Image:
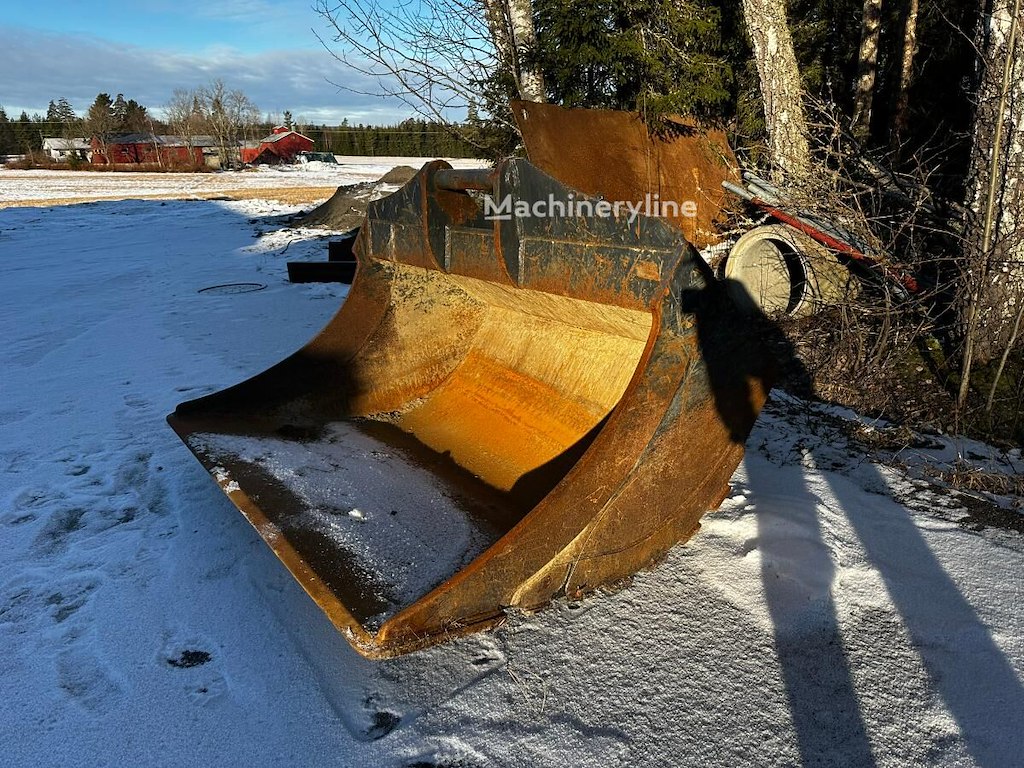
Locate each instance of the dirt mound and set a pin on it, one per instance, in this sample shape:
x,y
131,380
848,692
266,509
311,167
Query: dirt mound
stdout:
x,y
344,209
400,174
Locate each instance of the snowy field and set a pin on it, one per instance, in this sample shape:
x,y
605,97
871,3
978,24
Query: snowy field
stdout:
x,y
840,609
37,184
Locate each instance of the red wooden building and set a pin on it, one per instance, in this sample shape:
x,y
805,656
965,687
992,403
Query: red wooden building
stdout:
x,y
145,148
281,146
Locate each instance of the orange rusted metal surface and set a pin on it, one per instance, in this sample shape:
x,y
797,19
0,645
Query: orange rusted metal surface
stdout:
x,y
612,154
502,412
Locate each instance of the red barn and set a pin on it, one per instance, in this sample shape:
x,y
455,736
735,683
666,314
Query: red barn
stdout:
x,y
281,146
145,148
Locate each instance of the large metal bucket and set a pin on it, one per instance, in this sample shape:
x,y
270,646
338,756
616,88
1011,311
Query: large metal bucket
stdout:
x,y
503,411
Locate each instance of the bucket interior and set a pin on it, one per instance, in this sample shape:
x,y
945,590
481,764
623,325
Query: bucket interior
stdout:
x,y
392,455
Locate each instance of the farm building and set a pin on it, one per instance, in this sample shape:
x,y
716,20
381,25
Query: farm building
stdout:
x,y
145,148
212,150
281,146
64,149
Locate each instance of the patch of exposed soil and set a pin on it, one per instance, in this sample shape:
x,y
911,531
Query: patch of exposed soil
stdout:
x,y
400,174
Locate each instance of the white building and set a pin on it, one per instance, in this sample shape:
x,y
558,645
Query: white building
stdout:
x,y
63,149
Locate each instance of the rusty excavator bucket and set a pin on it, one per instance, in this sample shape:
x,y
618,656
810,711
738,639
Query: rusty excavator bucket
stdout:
x,y
516,402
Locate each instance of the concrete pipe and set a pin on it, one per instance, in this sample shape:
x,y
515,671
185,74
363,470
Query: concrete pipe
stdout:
x,y
778,270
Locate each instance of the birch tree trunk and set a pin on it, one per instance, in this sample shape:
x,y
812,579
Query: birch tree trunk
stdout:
x,y
901,110
867,67
781,89
513,34
995,231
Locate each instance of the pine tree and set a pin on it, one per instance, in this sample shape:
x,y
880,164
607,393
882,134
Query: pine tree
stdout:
x,y
655,56
60,111
27,135
61,119
135,119
119,111
8,141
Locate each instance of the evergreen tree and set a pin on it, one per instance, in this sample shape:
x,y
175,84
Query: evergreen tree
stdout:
x,y
8,140
27,133
119,111
423,140
99,113
655,56
412,138
135,119
61,120
61,112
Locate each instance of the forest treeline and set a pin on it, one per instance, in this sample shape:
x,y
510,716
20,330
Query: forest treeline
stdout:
x,y
411,138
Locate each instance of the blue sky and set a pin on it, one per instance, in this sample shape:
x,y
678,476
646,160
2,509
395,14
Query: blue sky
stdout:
x,y
147,48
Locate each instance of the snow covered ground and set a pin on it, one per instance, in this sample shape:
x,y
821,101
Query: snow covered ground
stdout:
x,y
837,610
66,185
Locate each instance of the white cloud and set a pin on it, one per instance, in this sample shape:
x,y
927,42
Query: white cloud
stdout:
x,y
51,66
263,19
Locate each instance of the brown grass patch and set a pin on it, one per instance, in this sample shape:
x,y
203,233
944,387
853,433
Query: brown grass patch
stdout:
x,y
292,195
288,195
963,476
